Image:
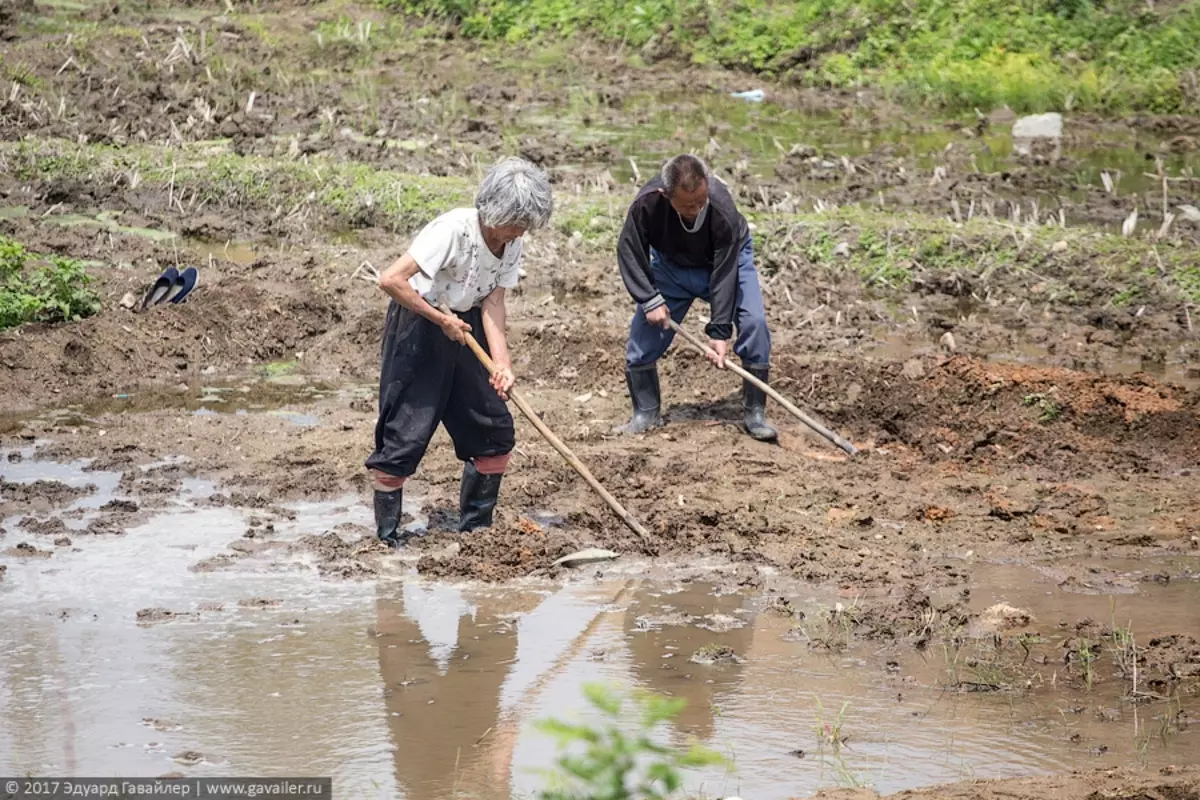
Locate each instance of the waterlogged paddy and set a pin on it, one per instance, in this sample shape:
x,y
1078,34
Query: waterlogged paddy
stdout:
x,y
650,127
401,687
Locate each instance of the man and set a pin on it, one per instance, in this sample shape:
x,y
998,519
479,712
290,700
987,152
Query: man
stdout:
x,y
684,239
465,260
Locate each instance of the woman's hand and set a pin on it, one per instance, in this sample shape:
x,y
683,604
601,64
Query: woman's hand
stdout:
x,y
503,380
454,328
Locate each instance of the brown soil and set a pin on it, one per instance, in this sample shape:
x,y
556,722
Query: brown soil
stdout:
x,y
1169,784
965,455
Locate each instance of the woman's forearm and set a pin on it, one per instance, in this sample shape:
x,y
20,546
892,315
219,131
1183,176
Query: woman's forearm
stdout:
x,y
394,282
495,320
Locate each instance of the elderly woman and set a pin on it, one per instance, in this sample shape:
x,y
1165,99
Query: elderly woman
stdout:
x,y
463,260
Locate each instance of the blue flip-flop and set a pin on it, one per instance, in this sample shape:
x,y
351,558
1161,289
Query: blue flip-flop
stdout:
x,y
158,292
184,283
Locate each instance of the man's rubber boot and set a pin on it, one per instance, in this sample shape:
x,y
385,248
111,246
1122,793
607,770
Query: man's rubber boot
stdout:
x,y
477,498
754,404
644,391
387,517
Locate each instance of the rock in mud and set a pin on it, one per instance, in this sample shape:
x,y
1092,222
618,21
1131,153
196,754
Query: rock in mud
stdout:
x,y
1038,126
120,505
152,615
3,569
63,541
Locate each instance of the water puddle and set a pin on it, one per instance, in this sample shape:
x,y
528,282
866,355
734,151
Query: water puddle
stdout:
x,y
428,690
241,253
1162,597
270,394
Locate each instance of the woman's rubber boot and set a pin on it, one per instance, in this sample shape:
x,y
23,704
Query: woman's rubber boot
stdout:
x,y
754,405
387,517
644,392
477,498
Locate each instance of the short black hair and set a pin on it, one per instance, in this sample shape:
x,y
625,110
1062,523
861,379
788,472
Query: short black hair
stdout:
x,y
685,172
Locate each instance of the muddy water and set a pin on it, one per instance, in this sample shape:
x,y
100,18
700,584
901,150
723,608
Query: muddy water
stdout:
x,y
234,394
401,687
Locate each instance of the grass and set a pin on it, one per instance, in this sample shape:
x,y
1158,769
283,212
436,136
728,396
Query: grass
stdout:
x,y
1032,55
889,255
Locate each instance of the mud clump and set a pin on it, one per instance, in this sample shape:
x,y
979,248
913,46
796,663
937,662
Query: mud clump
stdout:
x,y
42,495
348,560
259,602
26,550
215,564
505,551
44,527
1173,658
711,654
113,525
154,616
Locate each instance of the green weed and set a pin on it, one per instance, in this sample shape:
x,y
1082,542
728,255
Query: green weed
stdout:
x,y
58,290
608,761
1048,409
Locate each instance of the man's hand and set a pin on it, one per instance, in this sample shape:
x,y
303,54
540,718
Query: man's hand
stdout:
x,y
502,380
659,317
719,348
455,329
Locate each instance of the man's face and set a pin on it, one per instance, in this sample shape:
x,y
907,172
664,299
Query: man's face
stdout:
x,y
689,204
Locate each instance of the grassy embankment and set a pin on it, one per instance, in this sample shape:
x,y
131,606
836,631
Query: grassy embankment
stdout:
x,y
1033,55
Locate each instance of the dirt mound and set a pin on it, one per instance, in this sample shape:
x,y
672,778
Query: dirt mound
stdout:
x,y
511,548
965,409
220,327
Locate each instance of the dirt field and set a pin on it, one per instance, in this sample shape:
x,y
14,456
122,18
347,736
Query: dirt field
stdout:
x,y
1019,392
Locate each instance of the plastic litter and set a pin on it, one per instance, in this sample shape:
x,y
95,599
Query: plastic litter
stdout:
x,y
753,95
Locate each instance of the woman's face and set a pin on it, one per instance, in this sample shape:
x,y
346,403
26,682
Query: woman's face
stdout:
x,y
498,238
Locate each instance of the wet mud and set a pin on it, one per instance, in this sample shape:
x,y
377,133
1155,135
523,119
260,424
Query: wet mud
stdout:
x,y
1005,414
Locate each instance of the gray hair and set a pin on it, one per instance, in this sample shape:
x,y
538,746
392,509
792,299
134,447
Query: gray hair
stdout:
x,y
684,171
515,193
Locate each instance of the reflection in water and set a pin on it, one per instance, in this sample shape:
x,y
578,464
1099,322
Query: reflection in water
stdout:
x,y
661,653
443,698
